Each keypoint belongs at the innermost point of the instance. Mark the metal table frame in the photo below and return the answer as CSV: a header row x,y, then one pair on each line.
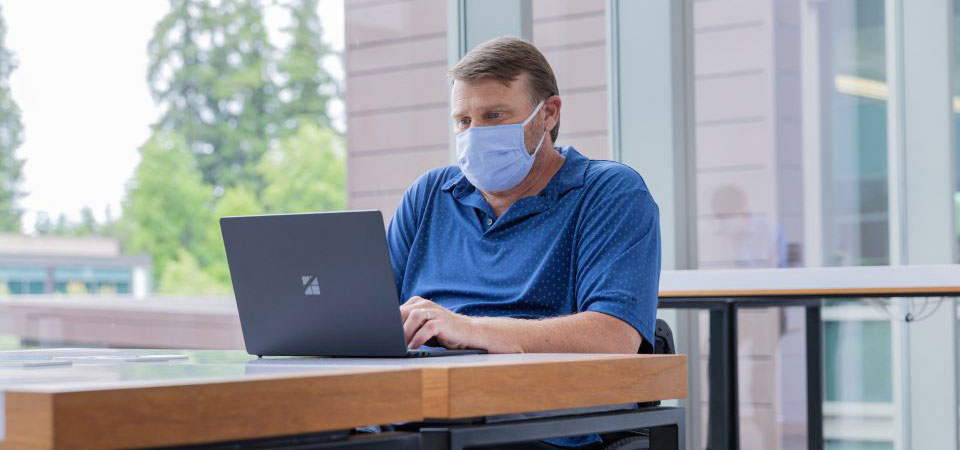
x,y
666,425
724,413
332,440
724,416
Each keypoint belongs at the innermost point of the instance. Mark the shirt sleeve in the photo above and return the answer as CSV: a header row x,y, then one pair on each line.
x,y
402,228
618,259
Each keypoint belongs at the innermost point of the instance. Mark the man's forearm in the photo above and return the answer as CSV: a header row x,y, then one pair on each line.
x,y
586,332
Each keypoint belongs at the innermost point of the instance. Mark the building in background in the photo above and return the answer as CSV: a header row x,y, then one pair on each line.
x,y
75,265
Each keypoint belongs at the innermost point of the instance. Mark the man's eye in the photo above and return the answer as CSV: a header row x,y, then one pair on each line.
x,y
494,115
463,122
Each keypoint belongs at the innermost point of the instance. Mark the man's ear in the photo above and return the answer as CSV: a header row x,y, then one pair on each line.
x,y
552,107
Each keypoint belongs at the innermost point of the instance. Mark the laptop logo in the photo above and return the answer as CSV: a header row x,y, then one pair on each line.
x,y
311,286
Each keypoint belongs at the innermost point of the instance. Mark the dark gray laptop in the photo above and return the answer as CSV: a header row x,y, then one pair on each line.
x,y
317,284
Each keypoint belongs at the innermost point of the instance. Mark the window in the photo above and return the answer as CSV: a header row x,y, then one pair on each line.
x,y
762,110
572,35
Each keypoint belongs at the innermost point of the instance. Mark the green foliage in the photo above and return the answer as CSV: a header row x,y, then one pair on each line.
x,y
245,131
88,224
209,68
305,172
237,201
221,82
184,276
307,86
11,136
167,203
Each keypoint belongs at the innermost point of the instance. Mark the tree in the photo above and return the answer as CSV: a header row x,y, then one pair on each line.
x,y
244,131
11,136
237,201
167,203
305,172
184,276
210,67
307,87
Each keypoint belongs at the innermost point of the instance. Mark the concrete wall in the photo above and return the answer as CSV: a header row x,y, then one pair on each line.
x,y
572,35
398,119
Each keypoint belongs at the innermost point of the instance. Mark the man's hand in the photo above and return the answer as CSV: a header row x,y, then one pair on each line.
x,y
425,321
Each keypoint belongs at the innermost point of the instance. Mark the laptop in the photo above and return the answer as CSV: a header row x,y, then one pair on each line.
x,y
316,284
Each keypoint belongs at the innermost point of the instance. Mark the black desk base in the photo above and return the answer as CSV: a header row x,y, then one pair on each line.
x,y
666,425
334,440
723,430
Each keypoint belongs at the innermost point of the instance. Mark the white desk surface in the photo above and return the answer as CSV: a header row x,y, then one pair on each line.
x,y
207,365
944,279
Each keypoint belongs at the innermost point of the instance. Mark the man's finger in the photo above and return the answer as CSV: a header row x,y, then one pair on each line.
x,y
412,300
428,331
414,321
412,304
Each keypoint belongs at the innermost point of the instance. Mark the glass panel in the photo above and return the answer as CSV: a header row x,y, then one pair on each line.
x,y
749,99
857,356
572,34
857,445
855,156
956,114
752,84
208,109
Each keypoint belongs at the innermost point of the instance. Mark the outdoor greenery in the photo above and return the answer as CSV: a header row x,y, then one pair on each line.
x,y
244,130
11,136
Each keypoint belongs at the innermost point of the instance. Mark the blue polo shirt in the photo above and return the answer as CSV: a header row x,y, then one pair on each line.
x,y
589,241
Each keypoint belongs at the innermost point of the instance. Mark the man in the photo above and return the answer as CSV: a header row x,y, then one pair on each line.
x,y
524,247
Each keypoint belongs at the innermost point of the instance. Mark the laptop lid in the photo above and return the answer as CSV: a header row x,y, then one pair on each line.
x,y
315,284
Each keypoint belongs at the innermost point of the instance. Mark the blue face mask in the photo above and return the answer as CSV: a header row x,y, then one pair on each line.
x,y
495,158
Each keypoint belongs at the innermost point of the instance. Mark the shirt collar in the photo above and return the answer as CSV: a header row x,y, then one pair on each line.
x,y
570,176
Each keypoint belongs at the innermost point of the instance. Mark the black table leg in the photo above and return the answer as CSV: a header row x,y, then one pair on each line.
x,y
724,415
814,333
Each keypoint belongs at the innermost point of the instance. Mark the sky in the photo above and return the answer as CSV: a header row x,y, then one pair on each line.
x,y
82,89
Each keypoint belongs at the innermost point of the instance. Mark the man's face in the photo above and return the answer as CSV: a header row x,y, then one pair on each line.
x,y
484,103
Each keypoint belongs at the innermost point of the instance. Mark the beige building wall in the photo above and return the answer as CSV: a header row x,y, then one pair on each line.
x,y
572,35
395,59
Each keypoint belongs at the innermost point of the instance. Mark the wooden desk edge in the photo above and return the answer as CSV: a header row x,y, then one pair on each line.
x,y
167,415
483,390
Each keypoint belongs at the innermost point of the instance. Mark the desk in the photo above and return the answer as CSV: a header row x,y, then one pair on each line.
x,y
723,292
228,396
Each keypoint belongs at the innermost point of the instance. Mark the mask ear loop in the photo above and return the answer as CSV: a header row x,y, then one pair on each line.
x,y
534,113
542,136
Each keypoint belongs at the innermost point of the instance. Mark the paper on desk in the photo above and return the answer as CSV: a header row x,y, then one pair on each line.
x,y
120,358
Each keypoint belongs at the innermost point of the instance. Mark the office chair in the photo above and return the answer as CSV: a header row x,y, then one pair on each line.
x,y
640,440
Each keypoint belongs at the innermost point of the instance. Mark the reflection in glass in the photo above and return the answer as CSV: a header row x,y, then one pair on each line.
x,y
855,121
750,81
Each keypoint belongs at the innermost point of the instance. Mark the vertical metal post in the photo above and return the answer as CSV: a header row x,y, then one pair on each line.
x,y
814,331
724,412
